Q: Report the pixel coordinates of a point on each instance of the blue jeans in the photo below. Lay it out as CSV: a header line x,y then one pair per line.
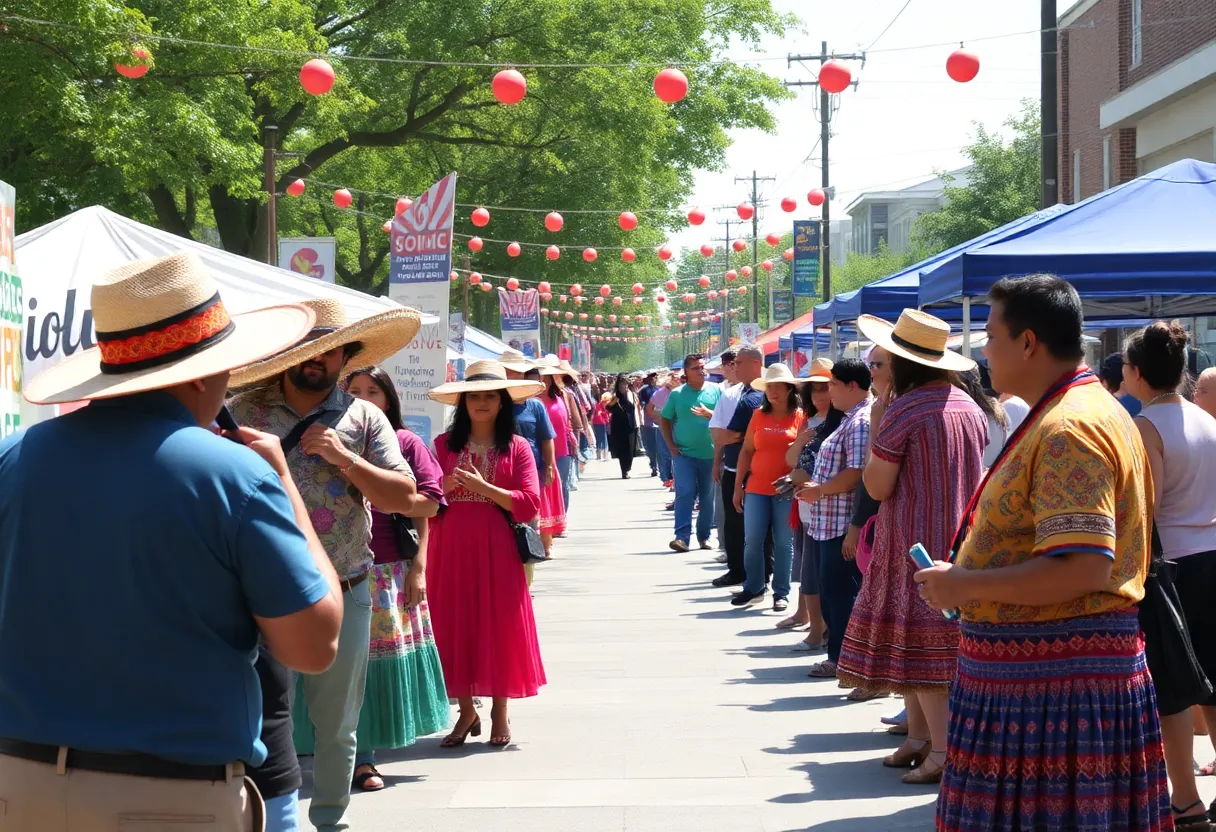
x,y
650,440
694,481
565,473
664,456
601,437
839,583
763,513
283,813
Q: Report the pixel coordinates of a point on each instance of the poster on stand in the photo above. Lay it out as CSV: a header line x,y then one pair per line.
x,y
310,256
420,260
12,315
806,259
783,306
748,333
519,315
580,350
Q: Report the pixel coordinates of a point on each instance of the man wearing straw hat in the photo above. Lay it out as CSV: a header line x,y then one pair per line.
x,y
345,456
166,551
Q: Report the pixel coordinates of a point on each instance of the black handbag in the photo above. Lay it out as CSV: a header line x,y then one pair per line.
x,y
527,541
1179,679
407,536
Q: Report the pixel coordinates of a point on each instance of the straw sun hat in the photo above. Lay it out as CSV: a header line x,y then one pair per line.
x,y
515,361
485,375
379,336
550,365
916,336
821,370
773,374
160,322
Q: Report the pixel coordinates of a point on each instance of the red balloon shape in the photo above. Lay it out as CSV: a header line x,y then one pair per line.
x,y
767,265
788,254
628,220
513,249
835,77
480,217
703,280
739,245
773,239
789,205
342,198
962,66
546,296
317,77
605,290
475,278
816,196
664,252
554,221
638,288
553,252
742,290
696,216
637,300
453,275
544,287
745,211
671,285
485,287
589,254
576,289
403,204
712,294
509,86
671,85
599,301
746,271
628,255
135,70
475,244
512,283
296,188
387,227
616,301
732,275
660,298
707,250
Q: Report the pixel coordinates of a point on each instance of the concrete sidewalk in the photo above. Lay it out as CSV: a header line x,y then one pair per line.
x,y
666,709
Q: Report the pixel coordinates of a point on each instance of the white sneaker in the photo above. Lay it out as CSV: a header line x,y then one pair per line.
x,y
574,485
721,558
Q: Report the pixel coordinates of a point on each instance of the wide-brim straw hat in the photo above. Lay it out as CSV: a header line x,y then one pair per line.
x,y
515,361
821,370
916,336
161,322
550,365
485,375
379,336
775,373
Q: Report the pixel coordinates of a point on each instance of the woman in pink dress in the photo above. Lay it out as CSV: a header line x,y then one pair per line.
x,y
481,611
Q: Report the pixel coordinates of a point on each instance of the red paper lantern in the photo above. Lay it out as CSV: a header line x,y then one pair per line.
x,y
628,220
707,250
561,298
553,252
712,294
342,198
835,77
476,244
773,240
480,217
664,253
582,316
638,288
742,290
732,275
616,301
296,188
403,204
767,265
962,66
589,254
509,86
703,280
637,301
554,221
599,301
317,77
681,314
660,298
605,290
671,285
475,278
137,69
546,296
788,254
544,287
696,216
612,318
599,319
816,197
576,289
670,85
513,249
485,287
578,299
387,227
569,316
789,205
746,271
512,283
453,275
544,311
739,245
628,255
666,326
745,211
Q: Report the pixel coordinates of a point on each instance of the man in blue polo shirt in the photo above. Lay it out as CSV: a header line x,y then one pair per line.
x,y
143,558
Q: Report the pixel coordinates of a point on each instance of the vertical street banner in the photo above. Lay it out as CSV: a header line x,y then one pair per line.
x,y
580,354
748,333
456,346
806,259
310,256
12,315
420,260
519,316
783,306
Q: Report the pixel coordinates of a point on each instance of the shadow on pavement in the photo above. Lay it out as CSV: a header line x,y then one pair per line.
x,y
854,780
801,703
834,743
916,817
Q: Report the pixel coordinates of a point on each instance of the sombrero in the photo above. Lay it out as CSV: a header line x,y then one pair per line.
x,y
515,361
821,370
916,336
161,322
379,336
485,375
550,365
773,374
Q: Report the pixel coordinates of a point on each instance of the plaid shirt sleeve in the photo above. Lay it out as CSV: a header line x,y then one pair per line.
x,y
857,440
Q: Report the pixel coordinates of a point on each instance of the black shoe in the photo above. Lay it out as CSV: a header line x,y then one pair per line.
x,y
780,604
745,598
728,580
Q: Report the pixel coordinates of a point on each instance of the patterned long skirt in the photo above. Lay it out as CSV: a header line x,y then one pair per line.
x,y
1053,725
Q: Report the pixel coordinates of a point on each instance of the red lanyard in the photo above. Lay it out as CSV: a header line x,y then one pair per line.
x,y
1076,378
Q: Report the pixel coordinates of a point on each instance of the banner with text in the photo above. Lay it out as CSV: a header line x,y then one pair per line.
x,y
783,306
310,256
12,315
519,315
806,259
580,354
419,265
748,333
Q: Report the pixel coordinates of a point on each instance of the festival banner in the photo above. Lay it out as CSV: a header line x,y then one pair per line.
x,y
806,259
748,333
783,306
456,346
310,256
519,316
12,315
420,260
580,354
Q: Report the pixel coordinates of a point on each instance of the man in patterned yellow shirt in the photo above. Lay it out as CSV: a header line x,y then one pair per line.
x,y
1053,717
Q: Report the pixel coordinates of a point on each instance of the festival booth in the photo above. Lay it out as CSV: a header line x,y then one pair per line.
x,y
770,342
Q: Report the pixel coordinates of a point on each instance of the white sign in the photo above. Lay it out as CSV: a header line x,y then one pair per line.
x,y
310,256
420,261
748,333
12,315
456,332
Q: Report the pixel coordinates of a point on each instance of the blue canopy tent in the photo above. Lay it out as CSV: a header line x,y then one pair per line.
x,y
1146,248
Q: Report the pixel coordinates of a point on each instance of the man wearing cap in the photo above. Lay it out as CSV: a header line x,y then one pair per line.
x,y
166,552
343,454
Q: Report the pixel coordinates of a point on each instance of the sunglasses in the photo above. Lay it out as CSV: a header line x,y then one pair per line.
x,y
877,365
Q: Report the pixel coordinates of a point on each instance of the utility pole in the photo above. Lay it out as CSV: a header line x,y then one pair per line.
x,y
755,250
269,134
825,134
724,337
1048,123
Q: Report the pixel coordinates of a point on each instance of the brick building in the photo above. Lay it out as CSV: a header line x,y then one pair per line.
x,y
1137,90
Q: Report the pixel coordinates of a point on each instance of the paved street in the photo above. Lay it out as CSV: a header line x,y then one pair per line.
x,y
666,710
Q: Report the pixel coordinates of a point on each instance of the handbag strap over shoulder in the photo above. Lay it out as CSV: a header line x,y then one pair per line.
x,y
292,439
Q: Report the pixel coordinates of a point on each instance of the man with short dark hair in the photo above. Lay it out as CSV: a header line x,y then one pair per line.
x,y
1111,376
692,450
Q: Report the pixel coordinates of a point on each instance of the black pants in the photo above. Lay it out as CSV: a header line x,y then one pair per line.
x,y
626,461
732,530
839,583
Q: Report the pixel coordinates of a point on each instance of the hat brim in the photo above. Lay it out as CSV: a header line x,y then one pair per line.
x,y
255,335
819,378
882,334
381,336
518,366
760,383
520,389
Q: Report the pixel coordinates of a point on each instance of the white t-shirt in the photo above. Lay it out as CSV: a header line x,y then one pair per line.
x,y
724,411
1016,411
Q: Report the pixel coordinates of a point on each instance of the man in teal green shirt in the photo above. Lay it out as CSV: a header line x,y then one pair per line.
x,y
686,432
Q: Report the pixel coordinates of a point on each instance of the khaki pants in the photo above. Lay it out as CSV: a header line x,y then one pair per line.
x,y
35,798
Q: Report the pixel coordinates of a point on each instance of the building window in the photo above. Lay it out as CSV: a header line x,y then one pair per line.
x,y
1076,176
1105,162
1137,32
878,226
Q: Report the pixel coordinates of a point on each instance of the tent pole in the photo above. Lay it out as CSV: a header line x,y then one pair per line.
x,y
967,327
832,346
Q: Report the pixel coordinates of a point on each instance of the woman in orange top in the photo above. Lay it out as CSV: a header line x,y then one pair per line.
x,y
770,433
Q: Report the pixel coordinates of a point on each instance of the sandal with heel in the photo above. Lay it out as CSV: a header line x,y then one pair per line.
x,y
454,740
908,759
923,775
1191,823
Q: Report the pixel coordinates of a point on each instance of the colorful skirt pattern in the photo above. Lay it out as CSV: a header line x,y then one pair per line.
x,y
1053,725
404,697
552,510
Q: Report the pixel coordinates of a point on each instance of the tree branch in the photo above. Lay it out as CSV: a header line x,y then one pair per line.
x,y
166,211
335,26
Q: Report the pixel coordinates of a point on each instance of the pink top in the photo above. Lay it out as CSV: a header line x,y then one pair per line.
x,y
560,417
600,415
514,471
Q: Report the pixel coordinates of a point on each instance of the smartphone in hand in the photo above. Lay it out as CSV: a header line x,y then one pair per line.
x,y
921,558
227,422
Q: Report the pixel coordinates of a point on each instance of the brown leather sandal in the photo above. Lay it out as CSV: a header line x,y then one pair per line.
x,y
903,758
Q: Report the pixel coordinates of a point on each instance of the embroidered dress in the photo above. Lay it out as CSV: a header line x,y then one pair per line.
x,y
895,641
1053,716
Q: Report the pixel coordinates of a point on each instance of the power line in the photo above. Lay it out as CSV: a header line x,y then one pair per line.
x,y
902,9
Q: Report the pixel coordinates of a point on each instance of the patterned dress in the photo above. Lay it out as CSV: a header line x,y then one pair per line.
x,y
895,641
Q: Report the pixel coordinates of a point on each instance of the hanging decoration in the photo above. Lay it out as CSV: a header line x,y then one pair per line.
x,y
739,245
835,77
628,255
696,216
637,301
513,284
486,287
480,217
403,204
475,244
342,198
703,280
712,294
589,254
732,275
745,211
576,290
138,67
295,188
742,290
671,85
767,265
599,301
773,240
317,77
543,287
387,228
474,278
509,86
454,275
746,271
513,249
707,250
554,221
671,285
605,290
788,254
664,253
962,66
638,288
789,205
553,252
627,220
660,298
816,196
616,301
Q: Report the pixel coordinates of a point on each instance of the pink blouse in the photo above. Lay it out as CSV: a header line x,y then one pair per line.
x,y
513,471
560,417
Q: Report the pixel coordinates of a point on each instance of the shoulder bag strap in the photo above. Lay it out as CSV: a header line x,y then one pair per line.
x,y
292,439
